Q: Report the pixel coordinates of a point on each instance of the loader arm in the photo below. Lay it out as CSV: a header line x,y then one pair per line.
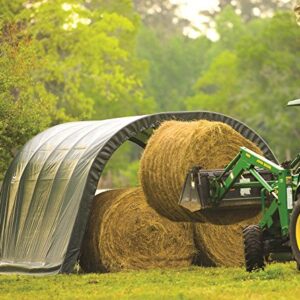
x,y
210,191
248,160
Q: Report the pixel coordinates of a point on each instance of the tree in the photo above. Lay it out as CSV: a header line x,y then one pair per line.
x,y
63,61
217,87
254,77
161,16
90,57
173,67
253,9
271,67
26,107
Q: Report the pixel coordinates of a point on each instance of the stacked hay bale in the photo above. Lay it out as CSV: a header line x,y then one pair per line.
x,y
125,233
171,151
222,244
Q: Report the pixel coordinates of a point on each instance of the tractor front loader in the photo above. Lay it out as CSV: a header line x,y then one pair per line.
x,y
250,180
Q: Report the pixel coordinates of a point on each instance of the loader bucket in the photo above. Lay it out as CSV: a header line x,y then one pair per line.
x,y
190,197
197,191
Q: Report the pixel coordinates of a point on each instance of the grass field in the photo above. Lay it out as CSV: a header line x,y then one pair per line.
x,y
278,281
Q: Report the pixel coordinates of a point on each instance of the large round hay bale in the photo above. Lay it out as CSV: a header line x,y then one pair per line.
x,y
125,233
173,149
223,244
90,260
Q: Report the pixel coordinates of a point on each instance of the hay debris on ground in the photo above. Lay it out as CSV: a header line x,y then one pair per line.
x,y
173,149
125,233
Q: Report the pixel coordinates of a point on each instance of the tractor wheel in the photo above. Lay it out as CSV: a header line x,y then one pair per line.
x,y
253,248
295,232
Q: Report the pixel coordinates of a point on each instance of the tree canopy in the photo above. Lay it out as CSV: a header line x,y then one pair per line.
x,y
78,60
253,77
63,61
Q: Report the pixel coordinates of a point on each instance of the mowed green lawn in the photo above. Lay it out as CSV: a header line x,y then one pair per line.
x,y
278,281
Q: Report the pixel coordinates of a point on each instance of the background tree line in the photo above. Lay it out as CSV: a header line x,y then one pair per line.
x,y
72,60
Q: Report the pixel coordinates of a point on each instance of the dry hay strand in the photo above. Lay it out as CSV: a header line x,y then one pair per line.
x,y
173,149
223,244
90,255
125,233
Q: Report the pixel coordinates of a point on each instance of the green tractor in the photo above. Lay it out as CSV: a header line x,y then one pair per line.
x,y
251,180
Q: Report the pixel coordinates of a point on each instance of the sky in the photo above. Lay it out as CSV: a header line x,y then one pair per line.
x,y
189,9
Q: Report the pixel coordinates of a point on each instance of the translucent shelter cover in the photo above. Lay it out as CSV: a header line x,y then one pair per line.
x,y
49,187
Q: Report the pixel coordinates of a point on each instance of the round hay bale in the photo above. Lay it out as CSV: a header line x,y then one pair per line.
x,y
90,255
173,149
125,233
223,244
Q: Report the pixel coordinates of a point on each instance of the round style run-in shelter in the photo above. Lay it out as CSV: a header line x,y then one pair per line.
x,y
49,187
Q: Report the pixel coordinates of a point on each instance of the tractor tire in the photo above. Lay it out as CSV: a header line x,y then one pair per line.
x,y
295,232
253,248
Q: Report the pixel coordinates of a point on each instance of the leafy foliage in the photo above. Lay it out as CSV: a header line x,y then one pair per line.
x,y
25,106
161,16
62,61
174,66
251,9
254,77
90,55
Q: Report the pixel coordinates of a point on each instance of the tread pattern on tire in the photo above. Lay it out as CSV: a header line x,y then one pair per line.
x,y
253,248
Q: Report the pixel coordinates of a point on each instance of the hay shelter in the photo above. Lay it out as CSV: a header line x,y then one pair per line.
x,y
49,187
124,232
